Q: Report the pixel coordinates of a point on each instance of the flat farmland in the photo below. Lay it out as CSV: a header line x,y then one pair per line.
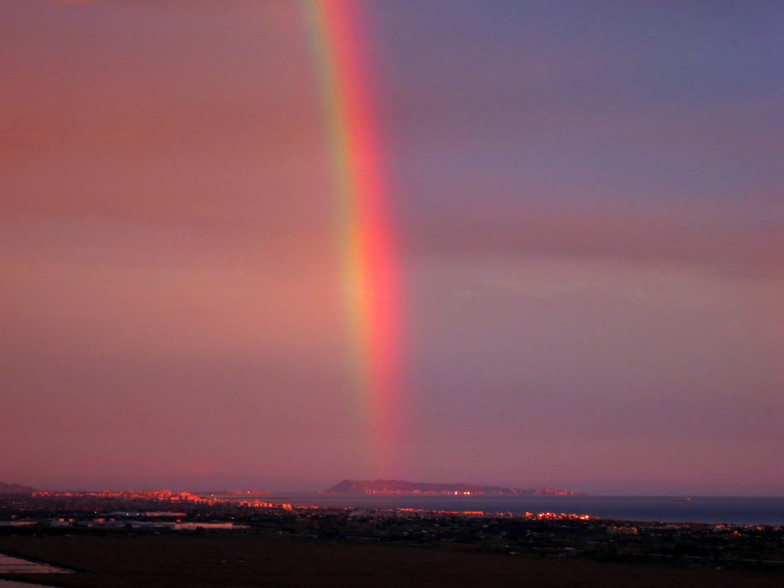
x,y
245,560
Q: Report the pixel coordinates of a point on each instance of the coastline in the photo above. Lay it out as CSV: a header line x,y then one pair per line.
x,y
734,510
184,540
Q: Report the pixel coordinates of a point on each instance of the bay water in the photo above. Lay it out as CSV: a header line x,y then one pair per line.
x,y
738,510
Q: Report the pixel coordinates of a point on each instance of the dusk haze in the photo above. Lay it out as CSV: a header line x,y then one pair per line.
x,y
278,244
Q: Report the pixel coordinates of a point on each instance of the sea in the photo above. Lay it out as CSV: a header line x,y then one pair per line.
x,y
736,510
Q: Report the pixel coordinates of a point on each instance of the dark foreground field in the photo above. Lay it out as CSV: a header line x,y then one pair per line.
x,y
237,560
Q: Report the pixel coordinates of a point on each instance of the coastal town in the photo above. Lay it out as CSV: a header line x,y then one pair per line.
x,y
541,535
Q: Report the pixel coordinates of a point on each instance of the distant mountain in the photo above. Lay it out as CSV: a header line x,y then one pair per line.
x,y
15,489
403,487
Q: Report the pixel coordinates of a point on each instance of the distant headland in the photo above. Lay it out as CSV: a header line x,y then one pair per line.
x,y
404,487
15,489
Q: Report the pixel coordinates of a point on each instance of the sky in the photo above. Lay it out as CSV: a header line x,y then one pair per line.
x,y
588,225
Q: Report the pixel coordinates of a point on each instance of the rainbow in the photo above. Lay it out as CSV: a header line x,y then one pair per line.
x,y
364,225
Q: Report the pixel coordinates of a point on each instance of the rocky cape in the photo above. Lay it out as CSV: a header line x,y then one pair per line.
x,y
404,487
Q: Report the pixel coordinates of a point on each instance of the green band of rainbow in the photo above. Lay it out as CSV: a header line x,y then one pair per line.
x,y
370,282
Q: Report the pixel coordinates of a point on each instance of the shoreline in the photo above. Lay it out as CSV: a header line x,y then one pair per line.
x,y
167,539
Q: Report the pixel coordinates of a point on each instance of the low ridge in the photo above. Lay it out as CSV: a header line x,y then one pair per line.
x,y
15,489
404,487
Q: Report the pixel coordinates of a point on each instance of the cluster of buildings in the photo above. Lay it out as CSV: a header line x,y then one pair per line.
x,y
262,504
111,523
159,495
